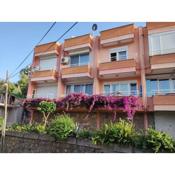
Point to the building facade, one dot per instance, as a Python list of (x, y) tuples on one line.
[(121, 61)]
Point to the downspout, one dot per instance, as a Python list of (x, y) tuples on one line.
[(143, 76)]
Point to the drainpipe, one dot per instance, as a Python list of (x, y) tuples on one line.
[(143, 77)]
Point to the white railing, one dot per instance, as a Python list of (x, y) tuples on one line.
[(162, 92), (37, 68), (46, 95), (123, 93)]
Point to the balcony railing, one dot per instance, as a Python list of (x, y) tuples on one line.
[(123, 93), (162, 92), (46, 95)]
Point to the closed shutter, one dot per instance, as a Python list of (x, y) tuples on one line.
[(46, 92), (168, 43), (48, 64)]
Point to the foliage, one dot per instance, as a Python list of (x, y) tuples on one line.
[(36, 128), (121, 132), (155, 141), (61, 127), (18, 89), (84, 134), (46, 108), (94, 102)]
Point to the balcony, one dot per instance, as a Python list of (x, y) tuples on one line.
[(161, 100), (164, 102), (80, 42), (118, 35), (44, 49), (80, 72), (163, 63), (117, 69), (44, 75)]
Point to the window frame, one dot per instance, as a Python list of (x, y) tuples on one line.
[(80, 84), (160, 35), (117, 50), (79, 56), (122, 82)]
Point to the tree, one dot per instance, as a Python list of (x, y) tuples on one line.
[(22, 84), (46, 108)]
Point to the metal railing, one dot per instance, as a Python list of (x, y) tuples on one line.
[(162, 92), (123, 93)]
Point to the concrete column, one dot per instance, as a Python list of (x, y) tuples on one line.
[(143, 76)]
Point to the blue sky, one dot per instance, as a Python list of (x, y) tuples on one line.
[(17, 39)]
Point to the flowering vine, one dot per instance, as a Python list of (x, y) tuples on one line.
[(127, 104)]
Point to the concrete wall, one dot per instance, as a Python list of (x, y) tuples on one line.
[(14, 114), (165, 121)]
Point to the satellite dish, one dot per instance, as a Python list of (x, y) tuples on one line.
[(94, 27)]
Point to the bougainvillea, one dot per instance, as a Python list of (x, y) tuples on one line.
[(127, 104)]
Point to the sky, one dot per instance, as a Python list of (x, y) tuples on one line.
[(17, 39)]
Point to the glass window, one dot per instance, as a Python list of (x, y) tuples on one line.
[(154, 87), (74, 60), (122, 55), (84, 59), (133, 88), (173, 84), (88, 89), (107, 89), (113, 56), (68, 89), (124, 89), (115, 89), (164, 86), (77, 88)]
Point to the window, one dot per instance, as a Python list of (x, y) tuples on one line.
[(173, 85), (113, 56), (74, 61), (119, 54), (133, 88), (122, 55), (80, 59), (79, 88), (162, 86), (162, 43), (107, 89), (154, 86), (47, 63), (124, 89)]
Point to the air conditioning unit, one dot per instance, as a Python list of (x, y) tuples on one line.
[(35, 68), (65, 60)]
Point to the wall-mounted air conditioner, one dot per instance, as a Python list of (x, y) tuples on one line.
[(65, 60)]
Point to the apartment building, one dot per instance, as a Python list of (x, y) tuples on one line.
[(121, 61)]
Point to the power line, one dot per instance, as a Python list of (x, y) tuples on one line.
[(52, 44), (26, 57)]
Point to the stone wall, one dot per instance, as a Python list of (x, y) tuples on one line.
[(17, 142)]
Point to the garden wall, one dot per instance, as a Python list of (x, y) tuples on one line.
[(95, 120), (17, 142)]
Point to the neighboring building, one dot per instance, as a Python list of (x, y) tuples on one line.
[(126, 60)]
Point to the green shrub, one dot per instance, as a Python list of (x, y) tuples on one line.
[(61, 127), (46, 108), (36, 128), (121, 132), (156, 141), (84, 134)]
